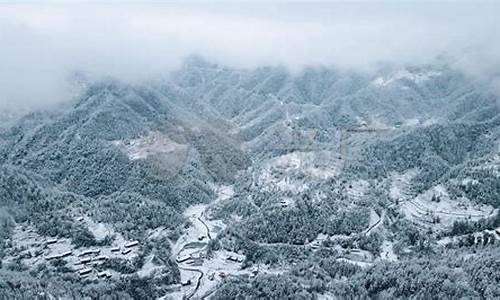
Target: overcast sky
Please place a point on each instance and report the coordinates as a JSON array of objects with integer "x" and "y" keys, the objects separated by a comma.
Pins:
[{"x": 40, "y": 44}]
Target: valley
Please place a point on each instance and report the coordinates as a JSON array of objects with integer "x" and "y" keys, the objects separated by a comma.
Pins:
[{"x": 224, "y": 183}]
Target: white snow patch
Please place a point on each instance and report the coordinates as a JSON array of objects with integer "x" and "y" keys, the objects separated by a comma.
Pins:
[
  {"x": 99, "y": 230},
  {"x": 387, "y": 251},
  {"x": 374, "y": 218},
  {"x": 152, "y": 144},
  {"x": 495, "y": 233},
  {"x": 417, "y": 78},
  {"x": 467, "y": 181},
  {"x": 148, "y": 267},
  {"x": 356, "y": 189},
  {"x": 290, "y": 172},
  {"x": 444, "y": 211},
  {"x": 411, "y": 122},
  {"x": 356, "y": 262},
  {"x": 400, "y": 187},
  {"x": 35, "y": 250}
]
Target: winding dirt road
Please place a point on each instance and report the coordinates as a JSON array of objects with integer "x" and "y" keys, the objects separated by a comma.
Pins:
[
  {"x": 198, "y": 279},
  {"x": 192, "y": 247}
]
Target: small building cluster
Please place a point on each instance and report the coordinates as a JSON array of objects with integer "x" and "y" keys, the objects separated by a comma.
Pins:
[
  {"x": 131, "y": 244},
  {"x": 234, "y": 259},
  {"x": 254, "y": 271},
  {"x": 91, "y": 257},
  {"x": 61, "y": 255},
  {"x": 89, "y": 252}
]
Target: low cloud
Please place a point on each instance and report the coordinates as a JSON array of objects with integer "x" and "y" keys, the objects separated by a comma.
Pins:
[{"x": 42, "y": 44}]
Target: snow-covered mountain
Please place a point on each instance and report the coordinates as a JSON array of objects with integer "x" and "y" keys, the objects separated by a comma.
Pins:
[{"x": 331, "y": 173}]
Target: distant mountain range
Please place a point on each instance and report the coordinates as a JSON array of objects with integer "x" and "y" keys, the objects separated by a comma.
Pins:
[{"x": 308, "y": 137}]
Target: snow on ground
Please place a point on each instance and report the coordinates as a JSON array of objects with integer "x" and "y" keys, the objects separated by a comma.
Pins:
[
  {"x": 35, "y": 249},
  {"x": 317, "y": 241},
  {"x": 224, "y": 192},
  {"x": 102, "y": 230},
  {"x": 443, "y": 211},
  {"x": 326, "y": 296},
  {"x": 413, "y": 122},
  {"x": 445, "y": 240},
  {"x": 417, "y": 77},
  {"x": 387, "y": 251},
  {"x": 288, "y": 184},
  {"x": 400, "y": 184},
  {"x": 148, "y": 267},
  {"x": 375, "y": 221},
  {"x": 283, "y": 172},
  {"x": 218, "y": 266},
  {"x": 191, "y": 254},
  {"x": 495, "y": 233},
  {"x": 190, "y": 251},
  {"x": 99, "y": 230},
  {"x": 157, "y": 232},
  {"x": 360, "y": 257},
  {"x": 430, "y": 122},
  {"x": 374, "y": 218},
  {"x": 197, "y": 232},
  {"x": 467, "y": 181},
  {"x": 151, "y": 144},
  {"x": 492, "y": 164},
  {"x": 357, "y": 189},
  {"x": 356, "y": 262}
]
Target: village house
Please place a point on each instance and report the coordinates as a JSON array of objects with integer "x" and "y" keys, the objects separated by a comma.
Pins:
[
  {"x": 88, "y": 252},
  {"x": 84, "y": 272},
  {"x": 51, "y": 241},
  {"x": 103, "y": 274},
  {"x": 234, "y": 259},
  {"x": 100, "y": 258},
  {"x": 67, "y": 253},
  {"x": 131, "y": 244},
  {"x": 51, "y": 257},
  {"x": 85, "y": 260}
]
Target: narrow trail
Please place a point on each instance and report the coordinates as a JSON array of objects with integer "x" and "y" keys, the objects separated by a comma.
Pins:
[
  {"x": 205, "y": 225},
  {"x": 423, "y": 210},
  {"x": 198, "y": 281},
  {"x": 376, "y": 224},
  {"x": 207, "y": 294},
  {"x": 181, "y": 260}
]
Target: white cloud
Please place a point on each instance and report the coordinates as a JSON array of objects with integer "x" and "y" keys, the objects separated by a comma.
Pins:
[{"x": 41, "y": 44}]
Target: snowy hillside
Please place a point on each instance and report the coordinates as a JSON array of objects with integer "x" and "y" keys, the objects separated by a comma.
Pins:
[{"x": 219, "y": 182}]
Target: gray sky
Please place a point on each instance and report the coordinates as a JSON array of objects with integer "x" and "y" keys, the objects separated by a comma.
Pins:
[{"x": 42, "y": 43}]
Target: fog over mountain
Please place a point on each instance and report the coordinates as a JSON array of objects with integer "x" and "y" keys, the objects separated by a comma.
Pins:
[
  {"x": 45, "y": 43},
  {"x": 250, "y": 150}
]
